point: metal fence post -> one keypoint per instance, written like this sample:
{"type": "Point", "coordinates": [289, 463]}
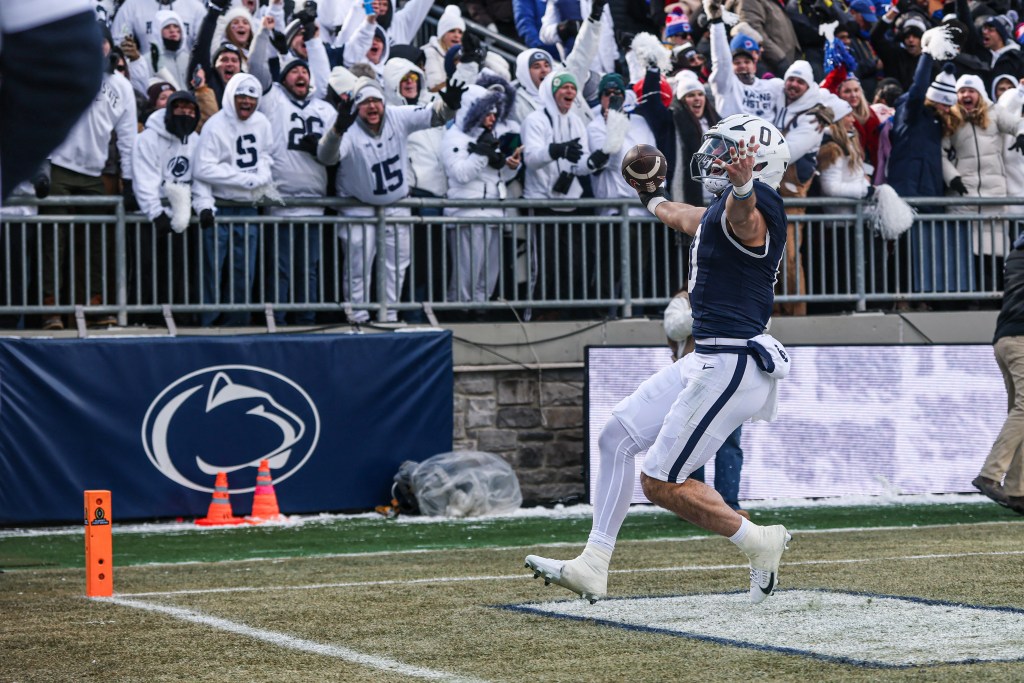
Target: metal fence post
{"type": "Point", "coordinates": [859, 278]}
{"type": "Point", "coordinates": [121, 264]}
{"type": "Point", "coordinates": [626, 263]}
{"type": "Point", "coordinates": [381, 274]}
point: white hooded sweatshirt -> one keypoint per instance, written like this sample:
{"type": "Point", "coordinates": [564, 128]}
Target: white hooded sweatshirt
{"type": "Point", "coordinates": [540, 129]}
{"type": "Point", "coordinates": [162, 158]}
{"type": "Point", "coordinates": [233, 156]}
{"type": "Point", "coordinates": [732, 96]}
{"type": "Point", "coordinates": [426, 168]}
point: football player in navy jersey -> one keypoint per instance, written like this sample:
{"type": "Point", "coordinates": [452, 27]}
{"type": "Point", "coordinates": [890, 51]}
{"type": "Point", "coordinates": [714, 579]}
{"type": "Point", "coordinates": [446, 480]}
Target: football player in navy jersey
{"type": "Point", "coordinates": [683, 413]}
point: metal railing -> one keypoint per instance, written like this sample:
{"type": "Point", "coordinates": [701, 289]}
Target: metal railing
{"type": "Point", "coordinates": [93, 258]}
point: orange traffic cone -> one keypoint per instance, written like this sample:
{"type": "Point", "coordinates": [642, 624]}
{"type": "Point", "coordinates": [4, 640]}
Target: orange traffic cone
{"type": "Point", "coordinates": [220, 513]}
{"type": "Point", "coordinates": [264, 501]}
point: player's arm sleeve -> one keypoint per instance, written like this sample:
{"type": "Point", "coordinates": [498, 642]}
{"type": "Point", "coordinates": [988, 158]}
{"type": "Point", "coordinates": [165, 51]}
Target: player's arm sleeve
{"type": "Point", "coordinates": [52, 93]}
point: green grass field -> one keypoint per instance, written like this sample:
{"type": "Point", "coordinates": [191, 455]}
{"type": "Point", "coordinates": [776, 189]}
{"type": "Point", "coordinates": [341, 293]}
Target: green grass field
{"type": "Point", "coordinates": [890, 593]}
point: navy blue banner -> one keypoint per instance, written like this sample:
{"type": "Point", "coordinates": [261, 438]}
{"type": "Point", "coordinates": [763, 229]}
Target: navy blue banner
{"type": "Point", "coordinates": [154, 419]}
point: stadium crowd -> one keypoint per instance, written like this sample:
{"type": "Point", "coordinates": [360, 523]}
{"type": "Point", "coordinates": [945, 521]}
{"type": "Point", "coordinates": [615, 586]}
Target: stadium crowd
{"type": "Point", "coordinates": [246, 100]}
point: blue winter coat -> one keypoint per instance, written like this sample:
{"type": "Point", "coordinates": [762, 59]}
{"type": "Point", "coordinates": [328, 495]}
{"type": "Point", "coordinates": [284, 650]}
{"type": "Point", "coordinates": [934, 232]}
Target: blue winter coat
{"type": "Point", "coordinates": [528, 14]}
{"type": "Point", "coordinates": [915, 163]}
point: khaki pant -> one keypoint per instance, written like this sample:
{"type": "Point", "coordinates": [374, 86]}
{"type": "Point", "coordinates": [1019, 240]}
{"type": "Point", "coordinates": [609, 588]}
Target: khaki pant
{"type": "Point", "coordinates": [1005, 457]}
{"type": "Point", "coordinates": [795, 282]}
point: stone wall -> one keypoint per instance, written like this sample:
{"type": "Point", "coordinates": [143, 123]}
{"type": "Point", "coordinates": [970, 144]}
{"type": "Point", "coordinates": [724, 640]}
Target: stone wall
{"type": "Point", "coordinates": [532, 420]}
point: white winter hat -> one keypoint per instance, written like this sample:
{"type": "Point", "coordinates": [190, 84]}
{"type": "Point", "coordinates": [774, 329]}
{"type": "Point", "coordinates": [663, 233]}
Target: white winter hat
{"type": "Point", "coordinates": [451, 19]}
{"type": "Point", "coordinates": [971, 81]}
{"type": "Point", "coordinates": [838, 105]}
{"type": "Point", "coordinates": [365, 89]}
{"type": "Point", "coordinates": [800, 69]}
{"type": "Point", "coordinates": [687, 82]}
{"type": "Point", "coordinates": [678, 318]}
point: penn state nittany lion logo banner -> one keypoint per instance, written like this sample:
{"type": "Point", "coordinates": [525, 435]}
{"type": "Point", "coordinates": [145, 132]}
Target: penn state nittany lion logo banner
{"type": "Point", "coordinates": [155, 420]}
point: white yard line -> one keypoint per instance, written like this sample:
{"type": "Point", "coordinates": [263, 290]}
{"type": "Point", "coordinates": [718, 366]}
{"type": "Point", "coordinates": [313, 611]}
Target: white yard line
{"type": "Point", "coordinates": [293, 643]}
{"type": "Point", "coordinates": [555, 544]}
{"type": "Point", "coordinates": [526, 575]}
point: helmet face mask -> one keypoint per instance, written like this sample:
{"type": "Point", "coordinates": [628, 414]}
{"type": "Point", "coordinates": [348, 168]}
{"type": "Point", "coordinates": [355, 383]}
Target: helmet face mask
{"type": "Point", "coordinates": [771, 157]}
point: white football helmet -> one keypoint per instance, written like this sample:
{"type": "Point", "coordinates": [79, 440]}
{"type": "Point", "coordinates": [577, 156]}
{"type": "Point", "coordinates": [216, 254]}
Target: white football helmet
{"type": "Point", "coordinates": [771, 158]}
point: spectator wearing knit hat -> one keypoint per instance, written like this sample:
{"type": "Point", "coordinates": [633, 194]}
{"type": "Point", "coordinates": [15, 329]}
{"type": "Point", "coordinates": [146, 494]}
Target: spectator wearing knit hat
{"type": "Point", "coordinates": [370, 142]}
{"type": "Point", "coordinates": [167, 58]}
{"type": "Point", "coordinates": [556, 152]}
{"type": "Point", "coordinates": [220, 62]}
{"type": "Point", "coordinates": [897, 40]}
{"type": "Point", "coordinates": [693, 113]}
{"type": "Point", "coordinates": [450, 27]}
{"type": "Point", "coordinates": [997, 37]}
{"type": "Point", "coordinates": [972, 165]}
{"type": "Point", "coordinates": [534, 64]}
{"type": "Point", "coordinates": [800, 120]}
{"type": "Point", "coordinates": [677, 28]}
{"type": "Point", "coordinates": [137, 18]}
{"type": "Point", "coordinates": [298, 118]}
{"type": "Point", "coordinates": [734, 82]}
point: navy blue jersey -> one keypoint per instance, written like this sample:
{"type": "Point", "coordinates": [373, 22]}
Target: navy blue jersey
{"type": "Point", "coordinates": [732, 287]}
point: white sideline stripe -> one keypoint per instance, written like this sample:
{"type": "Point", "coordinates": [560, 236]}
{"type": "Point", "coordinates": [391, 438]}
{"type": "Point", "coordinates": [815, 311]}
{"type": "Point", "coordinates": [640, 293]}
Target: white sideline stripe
{"type": "Point", "coordinates": [508, 577]}
{"type": "Point", "coordinates": [293, 643]}
{"type": "Point", "coordinates": [558, 544]}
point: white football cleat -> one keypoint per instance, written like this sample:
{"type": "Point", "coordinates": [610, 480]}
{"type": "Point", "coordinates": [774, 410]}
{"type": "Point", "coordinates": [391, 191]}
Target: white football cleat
{"type": "Point", "coordinates": [577, 575]}
{"type": "Point", "coordinates": [764, 561]}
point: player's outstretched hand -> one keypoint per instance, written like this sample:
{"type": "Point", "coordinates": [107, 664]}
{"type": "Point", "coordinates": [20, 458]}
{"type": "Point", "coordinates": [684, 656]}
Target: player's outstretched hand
{"type": "Point", "coordinates": [741, 167]}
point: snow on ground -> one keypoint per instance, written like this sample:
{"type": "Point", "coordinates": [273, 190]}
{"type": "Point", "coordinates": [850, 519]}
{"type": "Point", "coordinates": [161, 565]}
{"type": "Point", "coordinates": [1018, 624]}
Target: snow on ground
{"type": "Point", "coordinates": [556, 512]}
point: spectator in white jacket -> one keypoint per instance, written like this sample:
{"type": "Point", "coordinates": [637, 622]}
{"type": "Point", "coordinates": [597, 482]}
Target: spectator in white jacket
{"type": "Point", "coordinates": [556, 152]}
{"type": "Point", "coordinates": [972, 165]}
{"type": "Point", "coordinates": [370, 141]}
{"type": "Point", "coordinates": [235, 157]}
{"type": "Point", "coordinates": [163, 160]}
{"type": "Point", "coordinates": [368, 37]}
{"type": "Point", "coordinates": [801, 121]}
{"type": "Point", "coordinates": [734, 82]}
{"type": "Point", "coordinates": [138, 18]}
{"type": "Point", "coordinates": [168, 55]}
{"type": "Point", "coordinates": [1009, 96]}
{"type": "Point", "coordinates": [533, 65]}
{"type": "Point", "coordinates": [298, 118]}
{"type": "Point", "coordinates": [615, 132]}
{"type": "Point", "coordinates": [478, 167]}
{"type": "Point", "coordinates": [77, 167]}
{"type": "Point", "coordinates": [450, 27]}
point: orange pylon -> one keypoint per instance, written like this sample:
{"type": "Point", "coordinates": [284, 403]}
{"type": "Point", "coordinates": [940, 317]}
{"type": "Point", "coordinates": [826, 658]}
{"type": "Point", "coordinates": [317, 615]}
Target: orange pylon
{"type": "Point", "coordinates": [264, 501]}
{"type": "Point", "coordinates": [220, 513]}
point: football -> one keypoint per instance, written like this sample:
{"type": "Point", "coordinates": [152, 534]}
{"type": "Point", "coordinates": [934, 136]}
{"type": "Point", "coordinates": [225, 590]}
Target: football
{"type": "Point", "coordinates": [644, 168]}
